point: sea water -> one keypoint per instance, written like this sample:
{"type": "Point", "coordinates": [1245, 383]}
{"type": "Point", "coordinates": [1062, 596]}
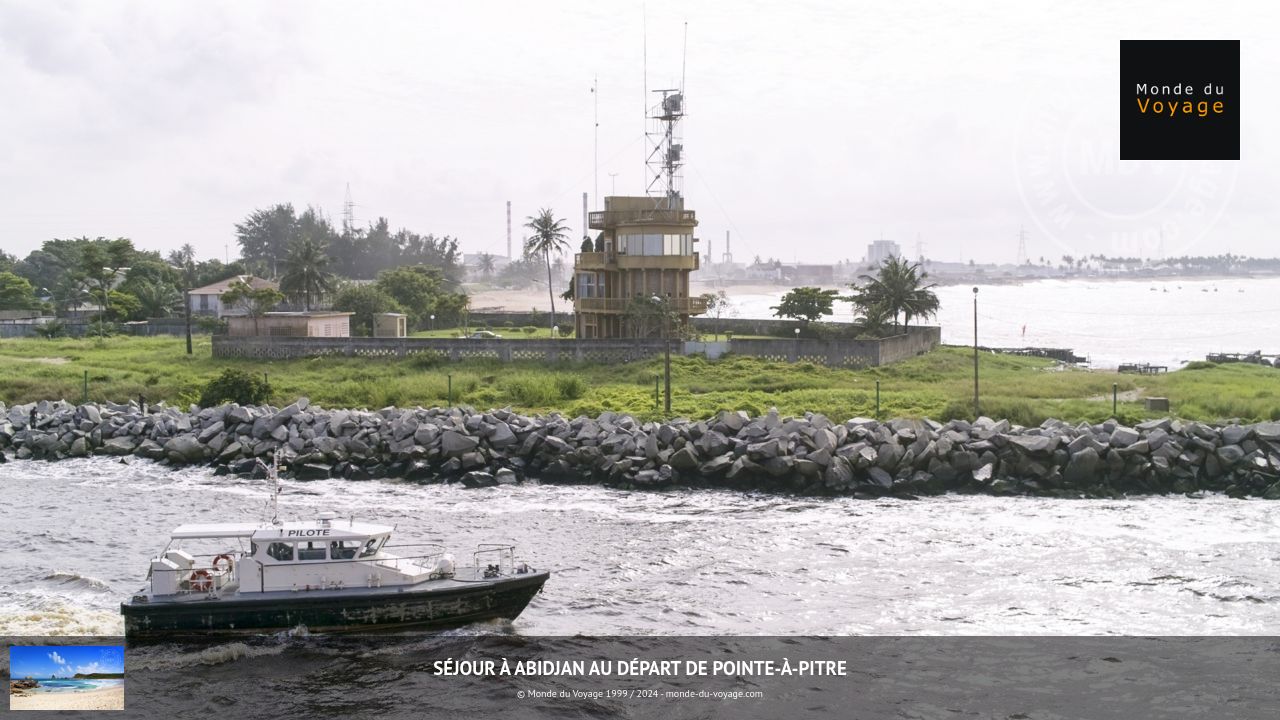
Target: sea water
{"type": "Point", "coordinates": [79, 534]}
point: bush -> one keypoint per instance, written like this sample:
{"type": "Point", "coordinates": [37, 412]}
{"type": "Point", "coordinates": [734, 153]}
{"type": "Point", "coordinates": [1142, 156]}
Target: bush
{"type": "Point", "coordinates": [1200, 365]}
{"type": "Point", "coordinates": [570, 387]}
{"type": "Point", "coordinates": [236, 386]}
{"type": "Point", "coordinates": [211, 325]}
{"type": "Point", "coordinates": [101, 328]}
{"type": "Point", "coordinates": [528, 330]}
{"type": "Point", "coordinates": [50, 330]}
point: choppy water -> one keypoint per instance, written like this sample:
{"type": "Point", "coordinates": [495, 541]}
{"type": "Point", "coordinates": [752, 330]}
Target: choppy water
{"type": "Point", "coordinates": [78, 535]}
{"type": "Point", "coordinates": [1163, 322]}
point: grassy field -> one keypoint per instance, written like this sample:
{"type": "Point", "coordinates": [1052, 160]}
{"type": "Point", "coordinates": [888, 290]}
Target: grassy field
{"type": "Point", "coordinates": [937, 385]}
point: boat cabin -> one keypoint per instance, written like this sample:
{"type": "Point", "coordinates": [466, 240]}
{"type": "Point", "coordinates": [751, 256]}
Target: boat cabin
{"type": "Point", "coordinates": [320, 554]}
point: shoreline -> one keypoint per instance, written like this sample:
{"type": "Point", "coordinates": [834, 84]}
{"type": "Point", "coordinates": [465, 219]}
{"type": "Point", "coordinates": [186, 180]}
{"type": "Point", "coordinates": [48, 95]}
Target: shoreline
{"type": "Point", "coordinates": [108, 698]}
{"type": "Point", "coordinates": [808, 454]}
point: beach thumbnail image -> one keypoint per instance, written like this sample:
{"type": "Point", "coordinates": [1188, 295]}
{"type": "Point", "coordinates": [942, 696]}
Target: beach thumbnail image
{"type": "Point", "coordinates": [66, 677]}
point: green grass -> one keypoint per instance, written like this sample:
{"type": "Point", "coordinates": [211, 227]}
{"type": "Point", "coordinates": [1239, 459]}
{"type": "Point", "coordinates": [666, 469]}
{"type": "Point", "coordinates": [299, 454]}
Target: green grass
{"type": "Point", "coordinates": [937, 385]}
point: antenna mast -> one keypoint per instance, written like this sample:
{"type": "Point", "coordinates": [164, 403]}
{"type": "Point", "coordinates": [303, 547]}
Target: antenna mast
{"type": "Point", "coordinates": [348, 213]}
{"type": "Point", "coordinates": [595, 96]}
{"type": "Point", "coordinates": [1022, 246]}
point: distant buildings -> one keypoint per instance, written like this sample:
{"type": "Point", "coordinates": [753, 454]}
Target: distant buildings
{"type": "Point", "coordinates": [880, 250]}
{"type": "Point", "coordinates": [645, 251]}
{"type": "Point", "coordinates": [292, 324]}
{"type": "Point", "coordinates": [207, 300]}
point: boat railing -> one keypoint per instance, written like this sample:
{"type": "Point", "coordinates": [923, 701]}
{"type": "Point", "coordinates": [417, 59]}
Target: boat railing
{"type": "Point", "coordinates": [403, 563]}
{"type": "Point", "coordinates": [498, 552]}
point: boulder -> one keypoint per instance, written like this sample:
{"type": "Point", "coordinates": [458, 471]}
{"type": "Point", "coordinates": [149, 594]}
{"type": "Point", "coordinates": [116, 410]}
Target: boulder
{"type": "Point", "coordinates": [454, 443]}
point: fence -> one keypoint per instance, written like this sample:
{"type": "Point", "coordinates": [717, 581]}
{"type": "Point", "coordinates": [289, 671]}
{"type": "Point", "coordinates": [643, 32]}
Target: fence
{"type": "Point", "coordinates": [80, 329]}
{"type": "Point", "coordinates": [836, 353]}
{"type": "Point", "coordinates": [280, 348]}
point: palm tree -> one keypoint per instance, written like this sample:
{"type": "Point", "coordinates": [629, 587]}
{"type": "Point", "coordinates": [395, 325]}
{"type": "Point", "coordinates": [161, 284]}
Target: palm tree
{"type": "Point", "coordinates": [306, 273]}
{"type": "Point", "coordinates": [486, 264]}
{"type": "Point", "coordinates": [182, 257]}
{"type": "Point", "coordinates": [549, 235]}
{"type": "Point", "coordinates": [159, 300]}
{"type": "Point", "coordinates": [896, 290]}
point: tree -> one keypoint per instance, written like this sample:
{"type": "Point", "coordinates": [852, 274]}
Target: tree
{"type": "Point", "coordinates": [123, 306]}
{"type": "Point", "coordinates": [806, 304]}
{"type": "Point", "coordinates": [717, 306]}
{"type": "Point", "coordinates": [156, 300]}
{"type": "Point", "coordinates": [255, 302]}
{"type": "Point", "coordinates": [549, 236]}
{"type": "Point", "coordinates": [16, 293]}
{"type": "Point", "coordinates": [264, 236]}
{"type": "Point", "coordinates": [100, 265]}
{"type": "Point", "coordinates": [306, 273]}
{"type": "Point", "coordinates": [365, 301]}
{"type": "Point", "coordinates": [897, 289]}
{"type": "Point", "coordinates": [420, 291]}
{"type": "Point", "coordinates": [7, 261]}
{"type": "Point", "coordinates": [486, 264]}
{"type": "Point", "coordinates": [183, 256]}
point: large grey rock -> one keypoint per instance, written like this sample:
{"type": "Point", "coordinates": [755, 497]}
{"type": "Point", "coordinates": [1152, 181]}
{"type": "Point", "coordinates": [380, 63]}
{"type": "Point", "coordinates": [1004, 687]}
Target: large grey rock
{"type": "Point", "coordinates": [1082, 467]}
{"type": "Point", "coordinates": [184, 448]}
{"type": "Point", "coordinates": [454, 443]}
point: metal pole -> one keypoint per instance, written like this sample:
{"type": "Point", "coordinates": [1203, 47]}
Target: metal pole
{"type": "Point", "coordinates": [450, 377]}
{"type": "Point", "coordinates": [976, 411]}
{"type": "Point", "coordinates": [85, 394]}
{"type": "Point", "coordinates": [666, 370]}
{"type": "Point", "coordinates": [1115, 398]}
{"type": "Point", "coordinates": [877, 399]}
{"type": "Point", "coordinates": [657, 393]}
{"type": "Point", "coordinates": [188, 316]}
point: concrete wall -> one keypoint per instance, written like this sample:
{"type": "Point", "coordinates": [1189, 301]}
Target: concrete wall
{"type": "Point", "coordinates": [836, 353]}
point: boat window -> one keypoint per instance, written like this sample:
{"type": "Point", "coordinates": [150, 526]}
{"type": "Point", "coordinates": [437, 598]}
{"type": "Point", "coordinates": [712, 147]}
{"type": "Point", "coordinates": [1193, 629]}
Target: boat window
{"type": "Point", "coordinates": [371, 547]}
{"type": "Point", "coordinates": [280, 551]}
{"type": "Point", "coordinates": [343, 549]}
{"type": "Point", "coordinates": [311, 552]}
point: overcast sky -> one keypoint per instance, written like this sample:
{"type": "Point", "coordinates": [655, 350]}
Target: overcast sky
{"type": "Point", "coordinates": [813, 127]}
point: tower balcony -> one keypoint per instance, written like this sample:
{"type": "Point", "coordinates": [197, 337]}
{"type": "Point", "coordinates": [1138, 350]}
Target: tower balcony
{"type": "Point", "coordinates": [680, 305]}
{"type": "Point", "coordinates": [615, 261]}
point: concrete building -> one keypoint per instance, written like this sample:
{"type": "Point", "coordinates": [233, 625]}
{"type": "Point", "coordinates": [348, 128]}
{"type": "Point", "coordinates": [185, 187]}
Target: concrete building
{"type": "Point", "coordinates": [880, 250]}
{"type": "Point", "coordinates": [394, 325]}
{"type": "Point", "coordinates": [207, 300]}
{"type": "Point", "coordinates": [646, 251]}
{"type": "Point", "coordinates": [292, 324]}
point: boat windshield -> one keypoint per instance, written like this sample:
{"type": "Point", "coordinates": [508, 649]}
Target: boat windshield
{"type": "Point", "coordinates": [343, 549]}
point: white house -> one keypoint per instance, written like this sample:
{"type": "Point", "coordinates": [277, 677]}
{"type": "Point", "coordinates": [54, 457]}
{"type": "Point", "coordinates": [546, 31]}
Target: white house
{"type": "Point", "coordinates": [207, 300]}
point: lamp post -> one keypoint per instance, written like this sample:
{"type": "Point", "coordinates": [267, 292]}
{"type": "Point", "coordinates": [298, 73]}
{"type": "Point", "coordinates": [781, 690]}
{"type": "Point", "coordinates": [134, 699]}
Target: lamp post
{"type": "Point", "coordinates": [433, 323]}
{"type": "Point", "coordinates": [976, 412]}
{"type": "Point", "coordinates": [666, 354]}
{"type": "Point", "coordinates": [796, 347]}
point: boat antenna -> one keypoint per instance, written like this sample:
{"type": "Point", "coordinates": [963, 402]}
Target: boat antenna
{"type": "Point", "coordinates": [274, 474]}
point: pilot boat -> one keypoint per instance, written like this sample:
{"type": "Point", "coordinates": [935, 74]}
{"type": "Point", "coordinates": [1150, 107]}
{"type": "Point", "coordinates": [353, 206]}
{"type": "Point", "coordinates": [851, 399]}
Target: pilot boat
{"type": "Point", "coordinates": [327, 574]}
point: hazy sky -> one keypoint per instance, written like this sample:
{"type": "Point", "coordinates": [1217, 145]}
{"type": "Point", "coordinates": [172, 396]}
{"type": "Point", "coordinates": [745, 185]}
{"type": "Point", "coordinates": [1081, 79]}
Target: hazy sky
{"type": "Point", "coordinates": [813, 127]}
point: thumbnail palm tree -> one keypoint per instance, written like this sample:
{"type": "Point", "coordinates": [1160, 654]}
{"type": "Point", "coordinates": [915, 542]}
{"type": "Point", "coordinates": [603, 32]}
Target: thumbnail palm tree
{"type": "Point", "coordinates": [897, 289]}
{"type": "Point", "coordinates": [306, 273]}
{"type": "Point", "coordinates": [549, 235]}
{"type": "Point", "coordinates": [486, 264]}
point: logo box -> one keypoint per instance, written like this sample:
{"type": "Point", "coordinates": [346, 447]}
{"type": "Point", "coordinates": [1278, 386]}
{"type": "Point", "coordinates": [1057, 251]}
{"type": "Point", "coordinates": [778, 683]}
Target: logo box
{"type": "Point", "coordinates": [1179, 99]}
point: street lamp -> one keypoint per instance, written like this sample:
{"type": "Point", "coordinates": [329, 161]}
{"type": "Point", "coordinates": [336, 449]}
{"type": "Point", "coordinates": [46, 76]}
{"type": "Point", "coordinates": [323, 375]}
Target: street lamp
{"type": "Point", "coordinates": [976, 412]}
{"type": "Point", "coordinates": [796, 350]}
{"type": "Point", "coordinates": [433, 323]}
{"type": "Point", "coordinates": [666, 353]}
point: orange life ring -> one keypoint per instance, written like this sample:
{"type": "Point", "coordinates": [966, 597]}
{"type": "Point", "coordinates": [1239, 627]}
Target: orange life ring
{"type": "Point", "coordinates": [230, 562]}
{"type": "Point", "coordinates": [201, 581]}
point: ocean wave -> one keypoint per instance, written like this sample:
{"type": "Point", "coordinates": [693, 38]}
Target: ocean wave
{"type": "Point", "coordinates": [66, 580]}
{"type": "Point", "coordinates": [61, 620]}
{"type": "Point", "coordinates": [162, 657]}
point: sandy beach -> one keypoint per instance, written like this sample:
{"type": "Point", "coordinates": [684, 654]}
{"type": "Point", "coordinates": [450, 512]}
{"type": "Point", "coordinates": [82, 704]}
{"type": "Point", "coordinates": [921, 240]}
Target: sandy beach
{"type": "Point", "coordinates": [110, 698]}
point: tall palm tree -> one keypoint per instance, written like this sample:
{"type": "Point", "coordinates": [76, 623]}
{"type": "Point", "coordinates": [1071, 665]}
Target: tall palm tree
{"type": "Point", "coordinates": [159, 300]}
{"type": "Point", "coordinates": [895, 290]}
{"type": "Point", "coordinates": [549, 235]}
{"type": "Point", "coordinates": [306, 273]}
{"type": "Point", "coordinates": [486, 264]}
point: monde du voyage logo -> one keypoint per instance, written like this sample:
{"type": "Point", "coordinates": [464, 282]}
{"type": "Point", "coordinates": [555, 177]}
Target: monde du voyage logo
{"type": "Point", "coordinates": [1179, 99]}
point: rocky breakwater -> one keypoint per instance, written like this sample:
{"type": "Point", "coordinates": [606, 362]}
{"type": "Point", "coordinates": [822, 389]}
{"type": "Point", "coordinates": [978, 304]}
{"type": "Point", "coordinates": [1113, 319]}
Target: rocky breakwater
{"type": "Point", "coordinates": [809, 454]}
